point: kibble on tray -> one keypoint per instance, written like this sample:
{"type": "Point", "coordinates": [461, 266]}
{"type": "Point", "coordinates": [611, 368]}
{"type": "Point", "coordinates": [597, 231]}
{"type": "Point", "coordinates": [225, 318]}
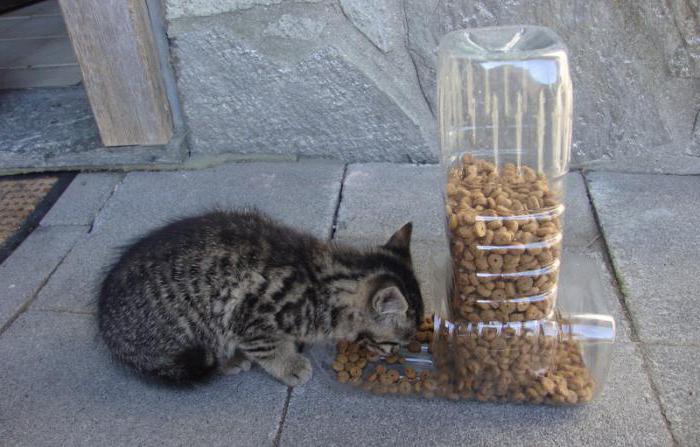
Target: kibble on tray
{"type": "Point", "coordinates": [485, 364]}
{"type": "Point", "coordinates": [505, 232]}
{"type": "Point", "coordinates": [389, 374]}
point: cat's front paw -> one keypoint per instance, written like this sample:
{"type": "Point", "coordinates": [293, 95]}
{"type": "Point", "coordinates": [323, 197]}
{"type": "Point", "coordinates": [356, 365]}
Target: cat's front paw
{"type": "Point", "coordinates": [235, 368]}
{"type": "Point", "coordinates": [297, 371]}
{"type": "Point", "coordinates": [236, 364]}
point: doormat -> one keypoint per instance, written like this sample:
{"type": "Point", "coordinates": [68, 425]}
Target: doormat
{"type": "Point", "coordinates": [24, 200]}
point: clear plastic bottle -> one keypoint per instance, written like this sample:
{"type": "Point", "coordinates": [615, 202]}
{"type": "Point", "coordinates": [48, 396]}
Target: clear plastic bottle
{"type": "Point", "coordinates": [507, 330]}
{"type": "Point", "coordinates": [505, 111]}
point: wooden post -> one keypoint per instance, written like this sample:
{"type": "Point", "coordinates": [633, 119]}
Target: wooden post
{"type": "Point", "coordinates": [115, 48]}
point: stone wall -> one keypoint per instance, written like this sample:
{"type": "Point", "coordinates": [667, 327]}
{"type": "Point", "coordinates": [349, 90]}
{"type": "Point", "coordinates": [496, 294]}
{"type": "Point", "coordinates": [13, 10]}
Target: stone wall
{"type": "Point", "coordinates": [355, 79]}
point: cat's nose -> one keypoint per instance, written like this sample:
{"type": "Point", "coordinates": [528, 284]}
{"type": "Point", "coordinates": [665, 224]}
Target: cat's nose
{"type": "Point", "coordinates": [408, 334]}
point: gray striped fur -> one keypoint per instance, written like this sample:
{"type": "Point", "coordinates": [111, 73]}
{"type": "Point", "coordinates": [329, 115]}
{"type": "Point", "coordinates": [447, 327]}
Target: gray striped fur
{"type": "Point", "coordinates": [227, 289]}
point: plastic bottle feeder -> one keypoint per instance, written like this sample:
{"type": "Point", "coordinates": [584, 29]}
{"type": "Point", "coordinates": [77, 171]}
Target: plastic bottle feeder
{"type": "Point", "coordinates": [514, 325]}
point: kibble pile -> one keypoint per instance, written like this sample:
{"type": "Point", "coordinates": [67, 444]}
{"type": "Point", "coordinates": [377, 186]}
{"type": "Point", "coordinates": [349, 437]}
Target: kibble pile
{"type": "Point", "coordinates": [490, 365]}
{"type": "Point", "coordinates": [516, 364]}
{"type": "Point", "coordinates": [390, 374]}
{"type": "Point", "coordinates": [505, 241]}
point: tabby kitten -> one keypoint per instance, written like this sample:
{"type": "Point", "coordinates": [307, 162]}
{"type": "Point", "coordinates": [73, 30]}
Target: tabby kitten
{"type": "Point", "coordinates": [225, 289]}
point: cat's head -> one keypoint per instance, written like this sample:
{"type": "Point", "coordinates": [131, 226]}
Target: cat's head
{"type": "Point", "coordinates": [390, 304]}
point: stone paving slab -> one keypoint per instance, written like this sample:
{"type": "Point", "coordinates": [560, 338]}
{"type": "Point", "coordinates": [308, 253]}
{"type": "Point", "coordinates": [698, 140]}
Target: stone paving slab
{"type": "Point", "coordinates": [80, 202]}
{"type": "Point", "coordinates": [40, 124]}
{"type": "Point", "coordinates": [26, 270]}
{"type": "Point", "coordinates": [650, 224]}
{"type": "Point", "coordinates": [378, 198]}
{"type": "Point", "coordinates": [303, 195]}
{"type": "Point", "coordinates": [580, 229]}
{"type": "Point", "coordinates": [586, 286]}
{"type": "Point", "coordinates": [75, 283]}
{"type": "Point", "coordinates": [49, 128]}
{"type": "Point", "coordinates": [625, 414]}
{"type": "Point", "coordinates": [674, 370]}
{"type": "Point", "coordinates": [60, 387]}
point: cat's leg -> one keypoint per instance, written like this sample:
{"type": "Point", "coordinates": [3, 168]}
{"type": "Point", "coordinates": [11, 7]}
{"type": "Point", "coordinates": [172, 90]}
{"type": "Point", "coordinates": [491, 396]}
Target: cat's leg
{"type": "Point", "coordinates": [281, 360]}
{"type": "Point", "coordinates": [235, 364]}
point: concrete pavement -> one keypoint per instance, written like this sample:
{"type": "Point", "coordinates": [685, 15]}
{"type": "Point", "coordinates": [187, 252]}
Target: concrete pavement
{"type": "Point", "coordinates": [60, 387]}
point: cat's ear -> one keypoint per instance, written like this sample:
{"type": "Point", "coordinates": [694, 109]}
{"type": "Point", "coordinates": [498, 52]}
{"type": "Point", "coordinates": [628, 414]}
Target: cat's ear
{"type": "Point", "coordinates": [401, 240]}
{"type": "Point", "coordinates": [389, 300]}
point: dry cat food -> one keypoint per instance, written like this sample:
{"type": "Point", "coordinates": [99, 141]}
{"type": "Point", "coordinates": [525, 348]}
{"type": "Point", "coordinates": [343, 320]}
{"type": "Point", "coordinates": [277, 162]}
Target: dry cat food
{"type": "Point", "coordinates": [516, 363]}
{"type": "Point", "coordinates": [513, 362]}
{"type": "Point", "coordinates": [505, 240]}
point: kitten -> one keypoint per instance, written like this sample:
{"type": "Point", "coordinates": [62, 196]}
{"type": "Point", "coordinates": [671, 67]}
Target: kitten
{"type": "Point", "coordinates": [225, 289]}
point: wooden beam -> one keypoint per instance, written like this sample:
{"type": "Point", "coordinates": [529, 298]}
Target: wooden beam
{"type": "Point", "coordinates": [115, 48]}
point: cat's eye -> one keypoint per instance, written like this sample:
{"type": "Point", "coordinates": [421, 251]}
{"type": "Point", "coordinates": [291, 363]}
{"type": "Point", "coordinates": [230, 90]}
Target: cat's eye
{"type": "Point", "coordinates": [382, 347]}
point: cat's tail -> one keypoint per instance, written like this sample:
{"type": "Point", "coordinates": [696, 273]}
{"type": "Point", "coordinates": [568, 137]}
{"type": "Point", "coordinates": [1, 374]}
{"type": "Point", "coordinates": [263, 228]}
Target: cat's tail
{"type": "Point", "coordinates": [193, 364]}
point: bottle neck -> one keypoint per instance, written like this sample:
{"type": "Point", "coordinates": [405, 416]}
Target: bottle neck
{"type": "Point", "coordinates": [585, 328]}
